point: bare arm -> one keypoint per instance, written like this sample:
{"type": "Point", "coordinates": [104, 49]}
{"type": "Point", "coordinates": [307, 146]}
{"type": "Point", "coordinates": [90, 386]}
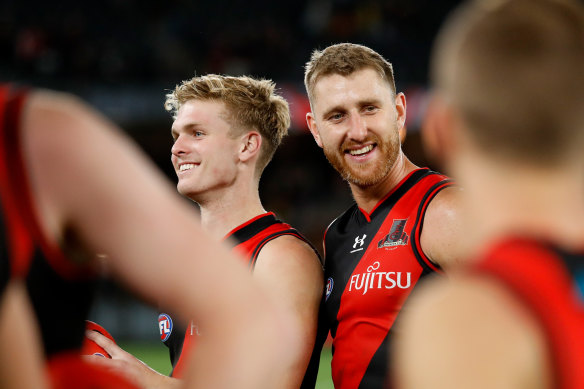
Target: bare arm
{"type": "Point", "coordinates": [91, 180]}
{"type": "Point", "coordinates": [469, 334]}
{"type": "Point", "coordinates": [291, 271]}
{"type": "Point", "coordinates": [127, 365]}
{"type": "Point", "coordinates": [21, 365]}
{"type": "Point", "coordinates": [443, 239]}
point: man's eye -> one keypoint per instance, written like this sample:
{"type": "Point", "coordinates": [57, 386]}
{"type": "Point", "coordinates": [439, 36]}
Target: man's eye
{"type": "Point", "coordinates": [336, 116]}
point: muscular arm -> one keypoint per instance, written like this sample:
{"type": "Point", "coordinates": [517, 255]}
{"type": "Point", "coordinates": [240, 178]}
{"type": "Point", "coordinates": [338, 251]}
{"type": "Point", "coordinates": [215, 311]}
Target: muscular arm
{"type": "Point", "coordinates": [443, 236]}
{"type": "Point", "coordinates": [21, 365]}
{"type": "Point", "coordinates": [469, 334]}
{"type": "Point", "coordinates": [91, 180]}
{"type": "Point", "coordinates": [293, 275]}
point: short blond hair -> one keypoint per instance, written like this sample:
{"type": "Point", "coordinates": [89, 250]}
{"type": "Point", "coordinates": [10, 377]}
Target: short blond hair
{"type": "Point", "coordinates": [251, 104]}
{"type": "Point", "coordinates": [514, 69]}
{"type": "Point", "coordinates": [345, 59]}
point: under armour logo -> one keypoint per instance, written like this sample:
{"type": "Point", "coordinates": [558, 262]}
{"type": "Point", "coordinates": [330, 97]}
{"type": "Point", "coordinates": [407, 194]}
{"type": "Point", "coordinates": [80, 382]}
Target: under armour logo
{"type": "Point", "coordinates": [359, 242]}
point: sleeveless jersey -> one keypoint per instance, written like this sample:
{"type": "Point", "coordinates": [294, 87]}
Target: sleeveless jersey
{"type": "Point", "coordinates": [550, 283]}
{"type": "Point", "coordinates": [250, 238]}
{"type": "Point", "coordinates": [372, 262]}
{"type": "Point", "coordinates": [51, 278]}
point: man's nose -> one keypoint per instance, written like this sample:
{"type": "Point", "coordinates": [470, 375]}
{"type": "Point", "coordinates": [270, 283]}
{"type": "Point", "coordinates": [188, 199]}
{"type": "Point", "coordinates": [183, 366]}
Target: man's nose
{"type": "Point", "coordinates": [358, 129]}
{"type": "Point", "coordinates": [178, 147]}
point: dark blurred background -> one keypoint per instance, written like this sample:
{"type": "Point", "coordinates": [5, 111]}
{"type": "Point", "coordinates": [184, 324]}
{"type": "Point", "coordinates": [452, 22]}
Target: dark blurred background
{"type": "Point", "coordinates": [124, 55]}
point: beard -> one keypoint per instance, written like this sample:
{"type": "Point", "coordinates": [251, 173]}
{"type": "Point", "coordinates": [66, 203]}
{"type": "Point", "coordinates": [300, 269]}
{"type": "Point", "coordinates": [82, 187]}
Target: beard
{"type": "Point", "coordinates": [368, 173]}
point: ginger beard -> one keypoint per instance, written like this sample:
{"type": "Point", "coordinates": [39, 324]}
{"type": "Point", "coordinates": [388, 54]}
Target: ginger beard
{"type": "Point", "coordinates": [370, 172]}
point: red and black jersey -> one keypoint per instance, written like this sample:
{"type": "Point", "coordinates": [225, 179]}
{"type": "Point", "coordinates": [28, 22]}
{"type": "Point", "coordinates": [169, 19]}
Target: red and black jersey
{"type": "Point", "coordinates": [59, 290]}
{"type": "Point", "coordinates": [250, 238]}
{"type": "Point", "coordinates": [372, 263]}
{"type": "Point", "coordinates": [550, 283]}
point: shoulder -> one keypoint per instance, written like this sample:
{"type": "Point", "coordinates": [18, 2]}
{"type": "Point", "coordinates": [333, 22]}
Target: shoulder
{"type": "Point", "coordinates": [470, 330]}
{"type": "Point", "coordinates": [285, 251]}
{"type": "Point", "coordinates": [442, 231]}
{"type": "Point", "coordinates": [446, 204]}
{"type": "Point", "coordinates": [290, 261]}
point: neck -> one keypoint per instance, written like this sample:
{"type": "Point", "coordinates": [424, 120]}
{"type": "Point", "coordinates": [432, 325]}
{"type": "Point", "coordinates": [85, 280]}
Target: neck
{"type": "Point", "coordinates": [224, 211]}
{"type": "Point", "coordinates": [537, 204]}
{"type": "Point", "coordinates": [367, 197]}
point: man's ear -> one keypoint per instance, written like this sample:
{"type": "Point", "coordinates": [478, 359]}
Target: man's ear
{"type": "Point", "coordinates": [438, 130]}
{"type": "Point", "coordinates": [400, 108]}
{"type": "Point", "coordinates": [251, 144]}
{"type": "Point", "coordinates": [311, 122]}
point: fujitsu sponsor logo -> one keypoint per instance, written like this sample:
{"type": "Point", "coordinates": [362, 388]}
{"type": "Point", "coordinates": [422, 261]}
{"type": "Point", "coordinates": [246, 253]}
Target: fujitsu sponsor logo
{"type": "Point", "coordinates": [379, 280]}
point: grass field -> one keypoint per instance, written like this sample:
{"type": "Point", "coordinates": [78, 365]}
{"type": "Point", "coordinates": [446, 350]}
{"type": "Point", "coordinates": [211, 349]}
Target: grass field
{"type": "Point", "coordinates": [155, 355]}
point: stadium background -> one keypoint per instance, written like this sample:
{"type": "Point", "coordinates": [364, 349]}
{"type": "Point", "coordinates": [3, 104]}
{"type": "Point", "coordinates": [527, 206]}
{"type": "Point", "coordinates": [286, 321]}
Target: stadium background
{"type": "Point", "coordinates": [124, 55]}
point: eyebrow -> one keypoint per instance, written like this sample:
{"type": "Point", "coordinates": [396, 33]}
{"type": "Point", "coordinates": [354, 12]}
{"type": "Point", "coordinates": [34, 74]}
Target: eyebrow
{"type": "Point", "coordinates": [361, 103]}
{"type": "Point", "coordinates": [188, 126]}
{"type": "Point", "coordinates": [336, 108]}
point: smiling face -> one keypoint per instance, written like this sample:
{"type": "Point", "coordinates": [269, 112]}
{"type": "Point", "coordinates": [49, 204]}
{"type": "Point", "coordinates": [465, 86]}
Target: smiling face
{"type": "Point", "coordinates": [204, 154]}
{"type": "Point", "coordinates": [356, 120]}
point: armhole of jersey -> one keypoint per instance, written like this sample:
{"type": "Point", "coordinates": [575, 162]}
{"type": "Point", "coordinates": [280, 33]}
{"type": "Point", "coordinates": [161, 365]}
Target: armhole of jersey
{"type": "Point", "coordinates": [185, 348]}
{"type": "Point", "coordinates": [506, 275]}
{"type": "Point", "coordinates": [291, 231]}
{"type": "Point", "coordinates": [5, 268]}
{"type": "Point", "coordinates": [421, 257]}
{"type": "Point", "coordinates": [324, 239]}
{"type": "Point", "coordinates": [19, 176]}
{"type": "Point", "coordinates": [20, 244]}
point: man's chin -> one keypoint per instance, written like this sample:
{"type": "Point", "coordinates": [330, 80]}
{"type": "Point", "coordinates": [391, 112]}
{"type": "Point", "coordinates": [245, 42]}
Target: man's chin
{"type": "Point", "coordinates": [187, 192]}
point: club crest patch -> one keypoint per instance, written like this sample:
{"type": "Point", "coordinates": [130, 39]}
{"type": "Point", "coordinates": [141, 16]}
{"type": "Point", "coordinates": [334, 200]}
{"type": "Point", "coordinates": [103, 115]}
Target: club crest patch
{"type": "Point", "coordinates": [396, 236]}
{"type": "Point", "coordinates": [329, 288]}
{"type": "Point", "coordinates": [165, 326]}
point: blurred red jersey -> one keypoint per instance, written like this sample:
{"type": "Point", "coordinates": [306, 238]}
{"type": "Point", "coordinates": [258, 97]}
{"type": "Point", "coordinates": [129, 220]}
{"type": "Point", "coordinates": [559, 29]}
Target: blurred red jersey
{"type": "Point", "coordinates": [549, 282]}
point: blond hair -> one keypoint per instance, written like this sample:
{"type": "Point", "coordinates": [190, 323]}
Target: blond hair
{"type": "Point", "coordinates": [251, 104]}
{"type": "Point", "coordinates": [345, 59]}
{"type": "Point", "coordinates": [514, 69]}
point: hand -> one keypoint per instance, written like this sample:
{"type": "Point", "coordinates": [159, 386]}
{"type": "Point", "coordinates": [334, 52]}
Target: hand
{"type": "Point", "coordinates": [128, 366]}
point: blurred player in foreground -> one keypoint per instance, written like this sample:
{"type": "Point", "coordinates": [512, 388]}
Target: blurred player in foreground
{"type": "Point", "coordinates": [73, 186]}
{"type": "Point", "coordinates": [225, 131]}
{"type": "Point", "coordinates": [508, 120]}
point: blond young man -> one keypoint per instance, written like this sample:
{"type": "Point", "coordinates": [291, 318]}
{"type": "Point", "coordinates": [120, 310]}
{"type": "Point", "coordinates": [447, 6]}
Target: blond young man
{"type": "Point", "coordinates": [403, 225]}
{"type": "Point", "coordinates": [507, 119]}
{"type": "Point", "coordinates": [71, 185]}
{"type": "Point", "coordinates": [225, 131]}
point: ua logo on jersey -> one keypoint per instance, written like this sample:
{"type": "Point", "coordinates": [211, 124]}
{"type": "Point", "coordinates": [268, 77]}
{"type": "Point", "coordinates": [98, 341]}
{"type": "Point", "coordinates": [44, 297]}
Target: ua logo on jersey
{"type": "Point", "coordinates": [329, 288]}
{"type": "Point", "coordinates": [359, 242]}
{"type": "Point", "coordinates": [165, 326]}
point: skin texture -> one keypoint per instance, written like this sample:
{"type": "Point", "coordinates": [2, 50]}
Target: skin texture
{"type": "Point", "coordinates": [224, 184]}
{"type": "Point", "coordinates": [21, 365]}
{"type": "Point", "coordinates": [349, 113]}
{"type": "Point", "coordinates": [96, 177]}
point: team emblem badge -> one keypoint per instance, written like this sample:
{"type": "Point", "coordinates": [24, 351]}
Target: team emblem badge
{"type": "Point", "coordinates": [329, 288]}
{"type": "Point", "coordinates": [396, 236]}
{"type": "Point", "coordinates": [165, 326]}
